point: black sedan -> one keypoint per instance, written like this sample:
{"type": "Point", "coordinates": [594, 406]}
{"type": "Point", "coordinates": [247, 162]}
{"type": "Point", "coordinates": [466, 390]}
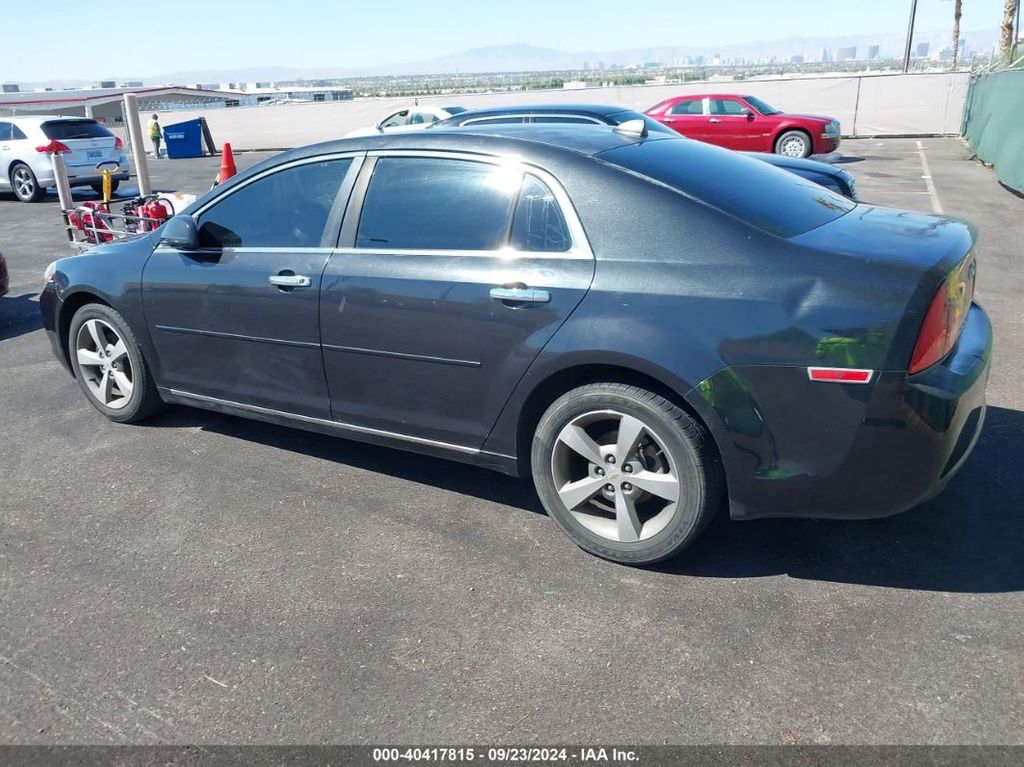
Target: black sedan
{"type": "Point", "coordinates": [828, 176]}
{"type": "Point", "coordinates": [611, 314]}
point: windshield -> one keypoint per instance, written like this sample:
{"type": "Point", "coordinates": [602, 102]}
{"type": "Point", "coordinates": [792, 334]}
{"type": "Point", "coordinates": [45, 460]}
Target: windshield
{"type": "Point", "coordinates": [761, 106]}
{"type": "Point", "coordinates": [454, 110]}
{"type": "Point", "coordinates": [63, 130]}
{"type": "Point", "coordinates": [653, 126]}
{"type": "Point", "coordinates": [773, 200]}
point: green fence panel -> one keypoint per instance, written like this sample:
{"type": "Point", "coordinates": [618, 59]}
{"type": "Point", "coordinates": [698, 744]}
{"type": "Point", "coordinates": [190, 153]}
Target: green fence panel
{"type": "Point", "coordinates": [994, 123]}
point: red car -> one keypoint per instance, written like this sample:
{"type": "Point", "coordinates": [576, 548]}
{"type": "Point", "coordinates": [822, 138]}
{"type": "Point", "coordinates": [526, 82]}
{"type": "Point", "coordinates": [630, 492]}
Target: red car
{"type": "Point", "coordinates": [747, 123]}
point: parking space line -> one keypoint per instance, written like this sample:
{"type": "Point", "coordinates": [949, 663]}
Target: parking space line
{"type": "Point", "coordinates": [928, 180]}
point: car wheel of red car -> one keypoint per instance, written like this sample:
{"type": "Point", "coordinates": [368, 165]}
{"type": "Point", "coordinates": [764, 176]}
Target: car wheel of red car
{"type": "Point", "coordinates": [793, 143]}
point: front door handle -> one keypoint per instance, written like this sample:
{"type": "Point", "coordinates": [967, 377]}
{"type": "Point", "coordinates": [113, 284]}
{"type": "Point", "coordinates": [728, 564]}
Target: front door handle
{"type": "Point", "coordinates": [520, 295]}
{"type": "Point", "coordinates": [714, 120]}
{"type": "Point", "coordinates": [289, 280]}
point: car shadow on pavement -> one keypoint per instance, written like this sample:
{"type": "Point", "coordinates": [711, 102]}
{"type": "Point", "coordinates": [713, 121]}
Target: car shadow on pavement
{"type": "Point", "coordinates": [19, 315]}
{"type": "Point", "coordinates": [970, 538]}
{"type": "Point", "coordinates": [437, 472]}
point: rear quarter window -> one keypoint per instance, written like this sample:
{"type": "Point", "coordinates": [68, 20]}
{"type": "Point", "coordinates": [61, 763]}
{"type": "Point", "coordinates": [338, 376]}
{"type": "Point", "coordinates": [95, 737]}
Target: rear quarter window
{"type": "Point", "coordinates": [766, 197]}
{"type": "Point", "coordinates": [64, 130]}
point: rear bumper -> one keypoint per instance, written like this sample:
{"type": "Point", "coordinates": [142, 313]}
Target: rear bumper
{"type": "Point", "coordinates": [844, 451]}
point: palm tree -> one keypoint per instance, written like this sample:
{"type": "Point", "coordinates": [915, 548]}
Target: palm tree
{"type": "Point", "coordinates": [1006, 37]}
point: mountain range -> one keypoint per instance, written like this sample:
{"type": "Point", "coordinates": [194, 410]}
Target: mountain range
{"type": "Point", "coordinates": [528, 58]}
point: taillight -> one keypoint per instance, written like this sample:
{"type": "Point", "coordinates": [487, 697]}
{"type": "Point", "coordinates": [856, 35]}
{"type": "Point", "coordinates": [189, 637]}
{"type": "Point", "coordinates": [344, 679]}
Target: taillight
{"type": "Point", "coordinates": [118, 143]}
{"type": "Point", "coordinates": [54, 147]}
{"type": "Point", "coordinates": [945, 317]}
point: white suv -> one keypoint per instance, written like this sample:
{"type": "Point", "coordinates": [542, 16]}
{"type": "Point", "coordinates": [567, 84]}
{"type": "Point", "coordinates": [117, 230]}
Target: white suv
{"type": "Point", "coordinates": [26, 144]}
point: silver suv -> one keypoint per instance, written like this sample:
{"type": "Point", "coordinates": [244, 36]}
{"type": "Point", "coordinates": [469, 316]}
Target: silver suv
{"type": "Point", "coordinates": [26, 144]}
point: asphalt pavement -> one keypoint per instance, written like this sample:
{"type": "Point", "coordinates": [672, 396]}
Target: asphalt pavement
{"type": "Point", "coordinates": [207, 579]}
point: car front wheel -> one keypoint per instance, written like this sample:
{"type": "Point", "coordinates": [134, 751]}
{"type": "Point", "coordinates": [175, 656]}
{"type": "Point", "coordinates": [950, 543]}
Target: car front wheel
{"type": "Point", "coordinates": [109, 365]}
{"type": "Point", "coordinates": [627, 474]}
{"type": "Point", "coordinates": [793, 143]}
{"type": "Point", "coordinates": [24, 183]}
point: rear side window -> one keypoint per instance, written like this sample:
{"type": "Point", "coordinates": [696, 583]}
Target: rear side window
{"type": "Point", "coordinates": [769, 198]}
{"type": "Point", "coordinates": [5, 131]}
{"type": "Point", "coordinates": [538, 224]}
{"type": "Point", "coordinates": [64, 130]}
{"type": "Point", "coordinates": [437, 204]}
{"type": "Point", "coordinates": [287, 209]}
{"type": "Point", "coordinates": [693, 107]}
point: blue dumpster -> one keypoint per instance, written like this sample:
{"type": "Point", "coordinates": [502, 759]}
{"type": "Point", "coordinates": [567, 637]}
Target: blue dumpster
{"type": "Point", "coordinates": [184, 139]}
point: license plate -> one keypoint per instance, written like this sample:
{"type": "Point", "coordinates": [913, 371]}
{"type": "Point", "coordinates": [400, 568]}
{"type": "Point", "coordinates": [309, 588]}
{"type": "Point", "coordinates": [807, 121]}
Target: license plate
{"type": "Point", "coordinates": [93, 154]}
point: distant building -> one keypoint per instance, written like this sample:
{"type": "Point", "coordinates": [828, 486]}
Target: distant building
{"type": "Point", "coordinates": [826, 55]}
{"type": "Point", "coordinates": [105, 84]}
{"type": "Point", "coordinates": [872, 52]}
{"type": "Point", "coordinates": [131, 84]}
{"type": "Point", "coordinates": [797, 59]}
{"type": "Point", "coordinates": [846, 54]}
{"type": "Point", "coordinates": [10, 88]}
{"type": "Point", "coordinates": [716, 60]}
{"type": "Point", "coordinates": [921, 51]}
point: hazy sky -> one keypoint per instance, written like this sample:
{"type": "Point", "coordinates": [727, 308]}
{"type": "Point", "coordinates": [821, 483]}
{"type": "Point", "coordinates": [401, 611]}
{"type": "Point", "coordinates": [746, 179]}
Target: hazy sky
{"type": "Point", "coordinates": [181, 35]}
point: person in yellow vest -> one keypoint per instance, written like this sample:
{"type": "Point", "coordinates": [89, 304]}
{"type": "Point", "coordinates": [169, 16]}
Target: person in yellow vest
{"type": "Point", "coordinates": [155, 134]}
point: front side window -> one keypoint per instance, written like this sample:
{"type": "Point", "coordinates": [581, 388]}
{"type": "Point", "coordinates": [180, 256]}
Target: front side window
{"type": "Point", "coordinates": [287, 209]}
{"type": "Point", "coordinates": [437, 204]}
{"type": "Point", "coordinates": [692, 107]}
{"type": "Point", "coordinates": [5, 131]}
{"type": "Point", "coordinates": [538, 224]}
{"type": "Point", "coordinates": [728, 107]}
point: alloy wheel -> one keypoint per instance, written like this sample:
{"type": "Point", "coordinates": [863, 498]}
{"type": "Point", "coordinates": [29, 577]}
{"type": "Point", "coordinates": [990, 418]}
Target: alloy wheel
{"type": "Point", "coordinates": [24, 182]}
{"type": "Point", "coordinates": [793, 146]}
{"type": "Point", "coordinates": [105, 364]}
{"type": "Point", "coordinates": [614, 475]}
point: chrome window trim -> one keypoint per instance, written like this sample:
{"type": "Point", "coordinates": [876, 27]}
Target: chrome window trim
{"type": "Point", "coordinates": [579, 249]}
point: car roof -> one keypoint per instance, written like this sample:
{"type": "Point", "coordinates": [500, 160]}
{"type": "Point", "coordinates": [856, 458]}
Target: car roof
{"type": "Point", "coordinates": [27, 119]}
{"type": "Point", "coordinates": [599, 110]}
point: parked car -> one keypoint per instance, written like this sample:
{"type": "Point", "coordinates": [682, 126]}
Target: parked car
{"type": "Point", "coordinates": [747, 123]}
{"type": "Point", "coordinates": [645, 326]}
{"type": "Point", "coordinates": [829, 176]}
{"type": "Point", "coordinates": [26, 144]}
{"type": "Point", "coordinates": [409, 119]}
{"type": "Point", "coordinates": [4, 278]}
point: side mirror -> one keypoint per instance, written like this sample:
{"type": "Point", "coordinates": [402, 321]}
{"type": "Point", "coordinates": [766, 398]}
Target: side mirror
{"type": "Point", "coordinates": [749, 115]}
{"type": "Point", "coordinates": [180, 233]}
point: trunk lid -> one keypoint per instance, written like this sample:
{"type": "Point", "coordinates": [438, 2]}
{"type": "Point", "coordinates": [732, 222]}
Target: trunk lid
{"type": "Point", "coordinates": [90, 144]}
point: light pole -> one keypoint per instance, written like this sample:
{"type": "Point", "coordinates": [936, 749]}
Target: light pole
{"type": "Point", "coordinates": [910, 36]}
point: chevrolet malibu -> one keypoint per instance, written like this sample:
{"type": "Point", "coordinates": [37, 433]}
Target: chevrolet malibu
{"type": "Point", "coordinates": [606, 312]}
{"type": "Point", "coordinates": [747, 123]}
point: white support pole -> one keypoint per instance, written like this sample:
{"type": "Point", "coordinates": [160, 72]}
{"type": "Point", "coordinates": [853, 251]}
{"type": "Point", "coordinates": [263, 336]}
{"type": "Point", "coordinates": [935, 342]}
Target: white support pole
{"type": "Point", "coordinates": [131, 121]}
{"type": "Point", "coordinates": [60, 175]}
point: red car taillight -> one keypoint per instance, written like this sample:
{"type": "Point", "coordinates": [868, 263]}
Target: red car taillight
{"type": "Point", "coordinates": [118, 143]}
{"type": "Point", "coordinates": [55, 147]}
{"type": "Point", "coordinates": [945, 317]}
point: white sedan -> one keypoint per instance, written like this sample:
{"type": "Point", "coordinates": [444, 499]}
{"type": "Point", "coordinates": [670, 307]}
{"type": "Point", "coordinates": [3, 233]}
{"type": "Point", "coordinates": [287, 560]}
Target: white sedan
{"type": "Point", "coordinates": [411, 118]}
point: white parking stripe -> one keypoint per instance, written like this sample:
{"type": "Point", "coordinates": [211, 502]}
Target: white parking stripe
{"type": "Point", "coordinates": [929, 182]}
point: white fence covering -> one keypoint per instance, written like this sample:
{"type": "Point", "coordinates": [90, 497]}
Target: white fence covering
{"type": "Point", "coordinates": [869, 105]}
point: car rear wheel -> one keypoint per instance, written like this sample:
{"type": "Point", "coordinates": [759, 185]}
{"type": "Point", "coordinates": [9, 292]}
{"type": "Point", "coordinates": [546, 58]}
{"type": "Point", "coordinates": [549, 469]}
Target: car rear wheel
{"type": "Point", "coordinates": [98, 188]}
{"type": "Point", "coordinates": [23, 182]}
{"type": "Point", "coordinates": [793, 143]}
{"type": "Point", "coordinates": [109, 365]}
{"type": "Point", "coordinates": [627, 474]}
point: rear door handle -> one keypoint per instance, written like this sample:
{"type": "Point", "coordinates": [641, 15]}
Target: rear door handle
{"type": "Point", "coordinates": [289, 280]}
{"type": "Point", "coordinates": [714, 120]}
{"type": "Point", "coordinates": [521, 295]}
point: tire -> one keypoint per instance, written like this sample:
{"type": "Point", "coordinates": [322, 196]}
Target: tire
{"type": "Point", "coordinates": [630, 524]}
{"type": "Point", "coordinates": [98, 188]}
{"type": "Point", "coordinates": [794, 143]}
{"type": "Point", "coordinates": [102, 377]}
{"type": "Point", "coordinates": [24, 184]}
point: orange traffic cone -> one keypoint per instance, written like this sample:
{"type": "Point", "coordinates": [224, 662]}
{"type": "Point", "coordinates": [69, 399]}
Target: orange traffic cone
{"type": "Point", "coordinates": [227, 165]}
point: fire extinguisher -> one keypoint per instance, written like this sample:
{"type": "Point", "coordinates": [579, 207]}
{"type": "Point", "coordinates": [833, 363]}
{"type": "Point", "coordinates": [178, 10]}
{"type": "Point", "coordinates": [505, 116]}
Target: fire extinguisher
{"type": "Point", "coordinates": [153, 213]}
